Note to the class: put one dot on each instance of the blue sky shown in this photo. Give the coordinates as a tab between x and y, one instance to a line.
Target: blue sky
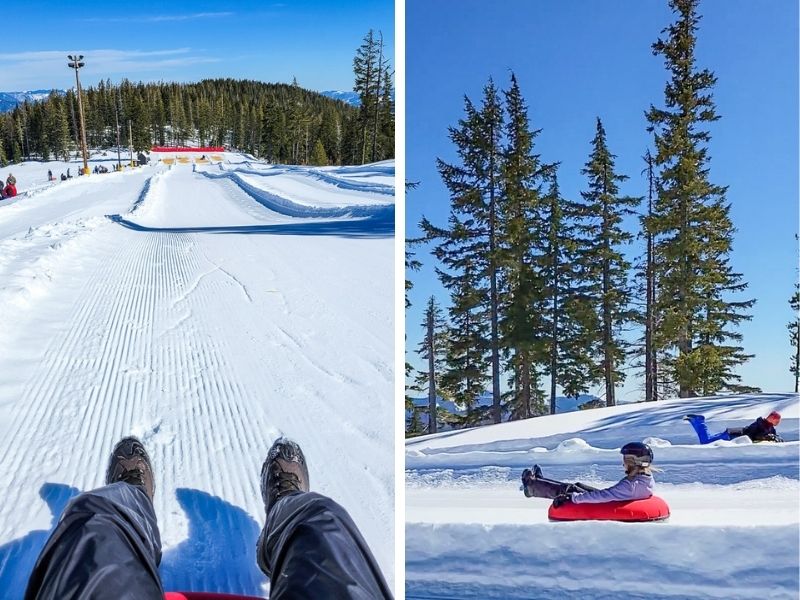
581	59
313	40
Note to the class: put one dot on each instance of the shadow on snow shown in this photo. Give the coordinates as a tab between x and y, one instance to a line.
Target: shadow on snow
356	228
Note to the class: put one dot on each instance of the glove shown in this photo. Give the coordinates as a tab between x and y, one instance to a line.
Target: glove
561	499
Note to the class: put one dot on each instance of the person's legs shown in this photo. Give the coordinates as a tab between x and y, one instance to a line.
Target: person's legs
543	488
535	485
698	423
310	547
106	544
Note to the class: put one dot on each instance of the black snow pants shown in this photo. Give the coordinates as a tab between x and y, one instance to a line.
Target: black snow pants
311	548
107	545
550	488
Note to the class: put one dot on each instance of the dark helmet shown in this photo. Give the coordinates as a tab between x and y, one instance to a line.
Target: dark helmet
638	453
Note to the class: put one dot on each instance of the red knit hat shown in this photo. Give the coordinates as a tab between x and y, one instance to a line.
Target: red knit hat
774	417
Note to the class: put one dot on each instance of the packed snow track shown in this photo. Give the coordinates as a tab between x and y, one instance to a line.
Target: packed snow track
178	307
733	533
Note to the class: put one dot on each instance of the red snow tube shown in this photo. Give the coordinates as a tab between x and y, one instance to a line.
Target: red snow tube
206	596
652	509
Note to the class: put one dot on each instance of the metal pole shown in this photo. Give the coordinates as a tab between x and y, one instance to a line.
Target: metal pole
77	64
116	120
130	139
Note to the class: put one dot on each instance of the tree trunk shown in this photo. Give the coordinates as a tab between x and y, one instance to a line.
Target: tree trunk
497	415
432	425
649	352
554	340
525	382
377	101
608	354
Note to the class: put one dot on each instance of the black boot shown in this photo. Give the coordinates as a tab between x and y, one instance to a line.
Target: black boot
130	463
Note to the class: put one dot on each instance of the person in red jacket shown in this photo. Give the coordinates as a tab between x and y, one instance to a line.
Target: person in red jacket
11	187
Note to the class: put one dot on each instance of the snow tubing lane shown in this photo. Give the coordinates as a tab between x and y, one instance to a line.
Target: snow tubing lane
651	509
206	596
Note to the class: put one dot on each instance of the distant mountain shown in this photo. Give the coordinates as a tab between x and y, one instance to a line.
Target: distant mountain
9	100
351	98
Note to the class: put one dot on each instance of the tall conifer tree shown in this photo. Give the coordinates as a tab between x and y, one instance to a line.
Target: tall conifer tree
692	227
607	268
468	248
430	350
794	337
522	296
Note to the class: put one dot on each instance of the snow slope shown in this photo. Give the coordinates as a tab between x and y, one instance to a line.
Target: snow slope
733	533
174	306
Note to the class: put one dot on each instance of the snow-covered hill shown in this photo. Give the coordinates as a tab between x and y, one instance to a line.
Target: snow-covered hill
9	100
735	505
349	97
184	309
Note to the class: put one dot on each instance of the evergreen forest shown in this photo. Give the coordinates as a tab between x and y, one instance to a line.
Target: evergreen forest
280	123
543	293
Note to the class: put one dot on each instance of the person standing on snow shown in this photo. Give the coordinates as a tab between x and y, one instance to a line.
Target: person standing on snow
107	543
11	187
637	484
760	430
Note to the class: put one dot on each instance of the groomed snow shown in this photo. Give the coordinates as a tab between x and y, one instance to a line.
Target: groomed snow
733	531
176	307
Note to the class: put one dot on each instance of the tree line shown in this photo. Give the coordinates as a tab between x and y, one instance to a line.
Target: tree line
278	122
540	285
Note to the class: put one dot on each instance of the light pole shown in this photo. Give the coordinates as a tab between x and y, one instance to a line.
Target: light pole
116	120
75	62
130	139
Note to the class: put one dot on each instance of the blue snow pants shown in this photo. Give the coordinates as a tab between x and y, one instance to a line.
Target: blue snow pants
700	427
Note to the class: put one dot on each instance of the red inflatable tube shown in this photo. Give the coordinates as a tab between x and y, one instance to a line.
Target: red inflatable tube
652	509
206	596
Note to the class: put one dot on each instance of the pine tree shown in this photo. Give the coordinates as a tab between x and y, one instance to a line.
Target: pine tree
794	336
366	68
464	376
469	246
430	350
603	211
569	312
520	224
386	108
318	156
381	70
692	229
647	273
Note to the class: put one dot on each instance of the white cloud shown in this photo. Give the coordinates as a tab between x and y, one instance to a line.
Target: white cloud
48	68
158	18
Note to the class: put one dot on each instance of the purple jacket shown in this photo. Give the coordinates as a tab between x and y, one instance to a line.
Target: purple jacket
638	488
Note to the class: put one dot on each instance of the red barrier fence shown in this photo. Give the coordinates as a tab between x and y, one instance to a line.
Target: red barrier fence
187	149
